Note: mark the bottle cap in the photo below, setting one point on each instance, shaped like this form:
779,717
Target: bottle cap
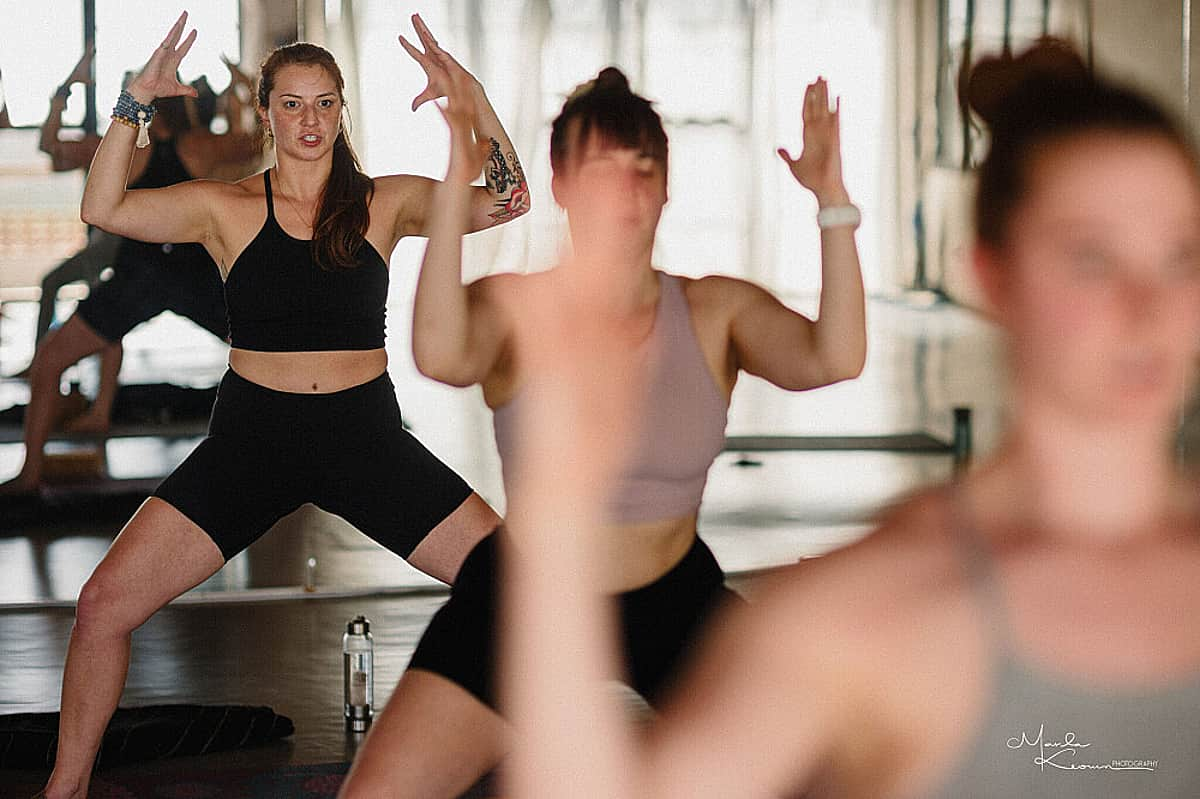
358,718
359,625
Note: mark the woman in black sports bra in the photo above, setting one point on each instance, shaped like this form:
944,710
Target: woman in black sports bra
306,412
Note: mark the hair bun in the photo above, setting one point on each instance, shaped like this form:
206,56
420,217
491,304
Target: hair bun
611,79
995,82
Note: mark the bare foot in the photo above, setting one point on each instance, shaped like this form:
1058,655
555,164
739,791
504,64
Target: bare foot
88,422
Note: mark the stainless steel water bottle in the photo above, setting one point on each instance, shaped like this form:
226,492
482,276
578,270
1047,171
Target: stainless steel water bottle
358,673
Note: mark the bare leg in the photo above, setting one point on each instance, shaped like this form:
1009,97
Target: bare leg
98,417
434,739
54,280
158,555
441,553
60,349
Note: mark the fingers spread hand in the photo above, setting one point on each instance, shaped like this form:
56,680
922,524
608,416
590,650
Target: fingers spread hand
411,49
187,45
423,98
423,33
175,33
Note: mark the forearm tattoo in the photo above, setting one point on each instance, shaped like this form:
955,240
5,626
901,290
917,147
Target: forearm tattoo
506,181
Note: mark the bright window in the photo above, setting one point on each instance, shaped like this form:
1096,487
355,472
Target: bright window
37,51
127,33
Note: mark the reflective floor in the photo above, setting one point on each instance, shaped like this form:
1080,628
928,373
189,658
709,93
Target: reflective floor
253,634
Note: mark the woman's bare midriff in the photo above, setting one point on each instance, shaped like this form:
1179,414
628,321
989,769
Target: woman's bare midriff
309,372
639,554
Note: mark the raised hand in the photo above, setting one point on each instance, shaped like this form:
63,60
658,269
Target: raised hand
236,76
160,76
467,151
439,66
819,166
82,72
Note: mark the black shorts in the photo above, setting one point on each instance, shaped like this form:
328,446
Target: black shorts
268,452
148,279
659,622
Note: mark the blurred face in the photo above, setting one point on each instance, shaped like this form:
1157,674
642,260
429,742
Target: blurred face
608,189
304,111
1099,285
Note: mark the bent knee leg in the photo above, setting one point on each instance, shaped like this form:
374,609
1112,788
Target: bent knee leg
104,609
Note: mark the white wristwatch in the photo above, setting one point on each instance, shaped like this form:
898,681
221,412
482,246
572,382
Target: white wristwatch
839,216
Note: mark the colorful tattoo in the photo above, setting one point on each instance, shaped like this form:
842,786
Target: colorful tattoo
506,180
512,206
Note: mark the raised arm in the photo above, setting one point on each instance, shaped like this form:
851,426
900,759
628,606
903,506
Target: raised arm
68,155
505,195
456,334
236,99
143,214
778,344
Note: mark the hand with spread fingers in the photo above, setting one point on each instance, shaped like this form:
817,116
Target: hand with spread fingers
160,76
819,165
440,67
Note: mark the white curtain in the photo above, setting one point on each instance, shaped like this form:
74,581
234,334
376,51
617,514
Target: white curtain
727,77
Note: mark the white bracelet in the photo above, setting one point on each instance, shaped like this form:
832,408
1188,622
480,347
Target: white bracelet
839,216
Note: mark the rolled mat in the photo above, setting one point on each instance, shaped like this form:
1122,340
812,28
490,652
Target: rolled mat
29,740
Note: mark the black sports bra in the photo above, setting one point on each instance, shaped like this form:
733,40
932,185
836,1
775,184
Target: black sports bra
280,300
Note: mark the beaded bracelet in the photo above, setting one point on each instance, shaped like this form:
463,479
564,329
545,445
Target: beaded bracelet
137,115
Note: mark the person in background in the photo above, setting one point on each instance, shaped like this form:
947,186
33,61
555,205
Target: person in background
147,278
689,338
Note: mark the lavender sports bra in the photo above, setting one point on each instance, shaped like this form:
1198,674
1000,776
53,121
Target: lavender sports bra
680,433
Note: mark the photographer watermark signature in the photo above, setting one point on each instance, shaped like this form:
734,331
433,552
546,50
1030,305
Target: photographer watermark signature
1063,754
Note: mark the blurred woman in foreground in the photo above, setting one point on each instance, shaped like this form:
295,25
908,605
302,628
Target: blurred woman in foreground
1026,631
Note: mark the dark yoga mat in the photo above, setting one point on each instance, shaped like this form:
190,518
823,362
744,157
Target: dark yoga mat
99,501
28,740
145,403
319,781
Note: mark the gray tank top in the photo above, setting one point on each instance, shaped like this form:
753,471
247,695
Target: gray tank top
682,429
1045,736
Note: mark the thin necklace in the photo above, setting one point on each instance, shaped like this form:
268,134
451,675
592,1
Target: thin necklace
311,220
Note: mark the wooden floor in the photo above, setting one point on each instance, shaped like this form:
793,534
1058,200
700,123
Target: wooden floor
284,654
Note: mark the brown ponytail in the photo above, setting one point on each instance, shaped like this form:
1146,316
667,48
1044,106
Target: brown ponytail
343,217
